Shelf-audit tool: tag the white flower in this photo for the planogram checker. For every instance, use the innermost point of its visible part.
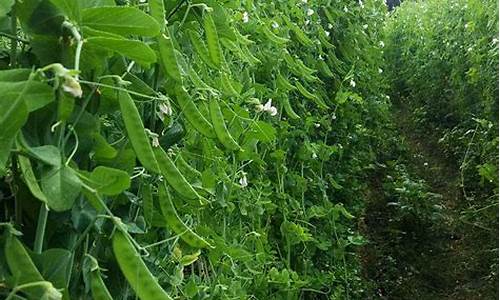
(243, 180)
(365, 26)
(310, 12)
(381, 44)
(314, 155)
(155, 141)
(307, 22)
(72, 86)
(268, 107)
(334, 116)
(304, 1)
(317, 125)
(352, 83)
(327, 33)
(380, 70)
(426, 164)
(245, 17)
(165, 109)
(345, 9)
(330, 26)
(274, 25)
(361, 4)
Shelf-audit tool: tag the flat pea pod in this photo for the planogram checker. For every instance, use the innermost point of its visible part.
(200, 49)
(214, 49)
(199, 83)
(186, 169)
(135, 271)
(220, 127)
(283, 83)
(302, 38)
(323, 38)
(175, 223)
(98, 288)
(173, 176)
(167, 56)
(248, 56)
(288, 108)
(136, 132)
(22, 267)
(227, 86)
(310, 96)
(273, 37)
(324, 69)
(192, 114)
(157, 9)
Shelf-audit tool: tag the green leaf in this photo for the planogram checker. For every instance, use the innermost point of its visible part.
(262, 131)
(120, 20)
(30, 178)
(36, 95)
(61, 186)
(186, 260)
(135, 50)
(48, 154)
(54, 265)
(109, 181)
(15, 75)
(5, 6)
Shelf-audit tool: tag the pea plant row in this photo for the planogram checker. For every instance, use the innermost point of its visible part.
(186, 149)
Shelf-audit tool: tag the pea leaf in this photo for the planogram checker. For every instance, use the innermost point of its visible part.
(262, 131)
(48, 154)
(61, 186)
(36, 95)
(5, 6)
(69, 7)
(120, 20)
(109, 181)
(135, 50)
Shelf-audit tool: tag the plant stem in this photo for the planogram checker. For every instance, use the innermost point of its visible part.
(78, 37)
(40, 228)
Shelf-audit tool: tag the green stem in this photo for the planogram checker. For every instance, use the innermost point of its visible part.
(40, 228)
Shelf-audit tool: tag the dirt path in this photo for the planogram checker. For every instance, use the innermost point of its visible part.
(409, 259)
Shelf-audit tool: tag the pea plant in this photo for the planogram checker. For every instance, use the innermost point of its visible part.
(186, 149)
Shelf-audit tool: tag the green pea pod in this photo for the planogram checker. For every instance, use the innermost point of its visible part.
(249, 57)
(172, 175)
(288, 108)
(283, 83)
(200, 48)
(198, 82)
(98, 288)
(310, 96)
(22, 267)
(135, 271)
(220, 127)
(167, 56)
(302, 38)
(175, 223)
(192, 114)
(273, 37)
(157, 9)
(323, 38)
(214, 49)
(136, 132)
(227, 86)
(324, 69)
(186, 169)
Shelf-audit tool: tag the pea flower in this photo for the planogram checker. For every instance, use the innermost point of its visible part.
(243, 180)
(245, 17)
(352, 83)
(71, 84)
(310, 12)
(268, 107)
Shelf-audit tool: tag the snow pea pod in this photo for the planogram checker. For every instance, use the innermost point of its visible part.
(288, 108)
(174, 178)
(98, 288)
(214, 49)
(273, 37)
(136, 132)
(175, 223)
(135, 271)
(167, 56)
(200, 49)
(220, 127)
(310, 96)
(192, 114)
